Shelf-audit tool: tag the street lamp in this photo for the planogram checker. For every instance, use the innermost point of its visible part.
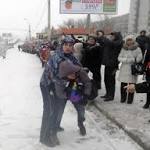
(29, 28)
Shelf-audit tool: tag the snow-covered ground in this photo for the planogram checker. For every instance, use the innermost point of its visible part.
(21, 112)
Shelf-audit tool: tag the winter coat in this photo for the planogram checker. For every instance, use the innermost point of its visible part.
(127, 57)
(50, 73)
(147, 60)
(66, 70)
(111, 51)
(142, 41)
(91, 55)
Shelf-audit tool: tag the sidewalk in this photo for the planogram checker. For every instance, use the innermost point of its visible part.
(132, 118)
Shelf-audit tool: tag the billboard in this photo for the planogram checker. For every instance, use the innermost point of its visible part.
(88, 6)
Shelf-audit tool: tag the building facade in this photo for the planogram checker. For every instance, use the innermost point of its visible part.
(139, 17)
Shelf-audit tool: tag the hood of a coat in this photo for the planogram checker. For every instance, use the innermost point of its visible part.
(132, 47)
(66, 68)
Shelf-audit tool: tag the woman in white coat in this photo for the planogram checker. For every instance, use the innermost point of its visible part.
(128, 55)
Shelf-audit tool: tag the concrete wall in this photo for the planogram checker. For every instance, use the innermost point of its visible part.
(139, 17)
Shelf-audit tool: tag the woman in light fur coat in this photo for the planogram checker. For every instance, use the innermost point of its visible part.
(128, 55)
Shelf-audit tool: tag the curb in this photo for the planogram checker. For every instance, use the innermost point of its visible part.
(134, 136)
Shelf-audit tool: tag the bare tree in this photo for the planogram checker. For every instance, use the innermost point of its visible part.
(70, 23)
(80, 23)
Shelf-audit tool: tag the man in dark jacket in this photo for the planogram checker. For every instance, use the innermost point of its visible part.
(142, 41)
(112, 47)
(100, 40)
(91, 58)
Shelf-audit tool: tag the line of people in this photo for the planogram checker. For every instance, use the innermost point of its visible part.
(64, 77)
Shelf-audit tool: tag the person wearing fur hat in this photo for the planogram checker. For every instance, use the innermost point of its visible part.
(128, 55)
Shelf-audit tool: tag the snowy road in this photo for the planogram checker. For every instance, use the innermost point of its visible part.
(21, 110)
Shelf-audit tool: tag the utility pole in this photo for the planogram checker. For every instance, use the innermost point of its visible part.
(29, 27)
(29, 32)
(88, 23)
(49, 24)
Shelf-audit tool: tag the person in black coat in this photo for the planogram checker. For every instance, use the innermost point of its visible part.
(112, 47)
(91, 58)
(142, 41)
(145, 86)
(100, 40)
(147, 72)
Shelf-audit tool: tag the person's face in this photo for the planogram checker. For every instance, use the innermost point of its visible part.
(142, 33)
(91, 41)
(68, 5)
(99, 34)
(130, 42)
(68, 48)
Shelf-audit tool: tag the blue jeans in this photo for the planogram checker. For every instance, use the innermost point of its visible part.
(61, 103)
(50, 112)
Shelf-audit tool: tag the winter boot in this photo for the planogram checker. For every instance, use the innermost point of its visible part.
(105, 96)
(49, 143)
(146, 106)
(60, 129)
(54, 139)
(82, 129)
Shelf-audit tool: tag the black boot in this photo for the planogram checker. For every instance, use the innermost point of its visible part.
(109, 98)
(82, 129)
(123, 92)
(55, 139)
(122, 101)
(130, 98)
(60, 129)
(105, 96)
(146, 106)
(49, 143)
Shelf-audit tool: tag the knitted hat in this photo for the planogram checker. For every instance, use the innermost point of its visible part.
(68, 39)
(66, 68)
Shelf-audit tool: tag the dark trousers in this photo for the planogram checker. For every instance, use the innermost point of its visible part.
(50, 112)
(124, 95)
(79, 108)
(96, 75)
(109, 80)
(148, 99)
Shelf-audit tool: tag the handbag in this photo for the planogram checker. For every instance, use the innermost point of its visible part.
(138, 68)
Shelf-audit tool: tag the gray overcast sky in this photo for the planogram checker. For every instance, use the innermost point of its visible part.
(13, 12)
